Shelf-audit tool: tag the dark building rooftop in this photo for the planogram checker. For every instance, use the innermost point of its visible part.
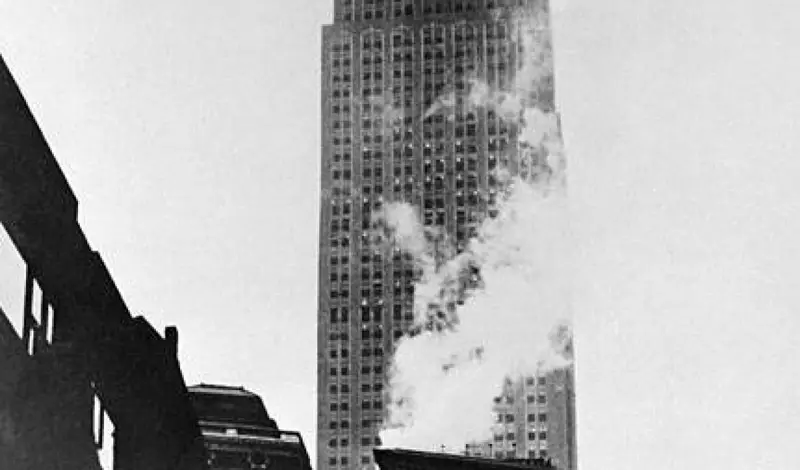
(236, 405)
(239, 433)
(402, 459)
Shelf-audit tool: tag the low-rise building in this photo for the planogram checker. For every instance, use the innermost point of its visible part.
(239, 434)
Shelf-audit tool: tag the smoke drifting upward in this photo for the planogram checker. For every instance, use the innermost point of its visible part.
(498, 307)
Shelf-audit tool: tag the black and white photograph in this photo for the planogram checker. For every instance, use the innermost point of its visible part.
(399, 235)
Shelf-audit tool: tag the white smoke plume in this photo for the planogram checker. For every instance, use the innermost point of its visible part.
(500, 307)
(443, 383)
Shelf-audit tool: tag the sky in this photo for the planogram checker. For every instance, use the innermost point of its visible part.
(189, 132)
(680, 122)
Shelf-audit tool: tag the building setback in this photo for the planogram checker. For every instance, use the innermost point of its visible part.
(385, 64)
(535, 418)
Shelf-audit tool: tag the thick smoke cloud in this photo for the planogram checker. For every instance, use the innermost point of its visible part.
(500, 307)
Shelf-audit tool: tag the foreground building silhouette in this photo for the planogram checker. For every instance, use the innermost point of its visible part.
(77, 351)
(397, 126)
(239, 434)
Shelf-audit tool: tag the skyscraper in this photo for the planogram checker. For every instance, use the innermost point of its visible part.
(397, 125)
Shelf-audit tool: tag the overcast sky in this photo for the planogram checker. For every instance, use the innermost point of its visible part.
(189, 132)
(681, 124)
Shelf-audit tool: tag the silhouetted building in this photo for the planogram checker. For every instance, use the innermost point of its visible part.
(239, 434)
(397, 125)
(76, 350)
(400, 459)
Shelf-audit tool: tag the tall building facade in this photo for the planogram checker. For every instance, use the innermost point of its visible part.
(398, 125)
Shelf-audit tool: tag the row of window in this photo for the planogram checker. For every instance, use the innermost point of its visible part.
(345, 371)
(532, 417)
(345, 260)
(341, 315)
(431, 182)
(345, 442)
(440, 149)
(535, 381)
(365, 441)
(343, 336)
(378, 14)
(343, 209)
(432, 55)
(376, 9)
(339, 336)
(403, 36)
(365, 387)
(432, 76)
(540, 399)
(365, 405)
(512, 454)
(542, 435)
(345, 462)
(462, 128)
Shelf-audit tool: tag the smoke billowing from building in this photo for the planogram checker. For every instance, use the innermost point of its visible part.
(499, 306)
